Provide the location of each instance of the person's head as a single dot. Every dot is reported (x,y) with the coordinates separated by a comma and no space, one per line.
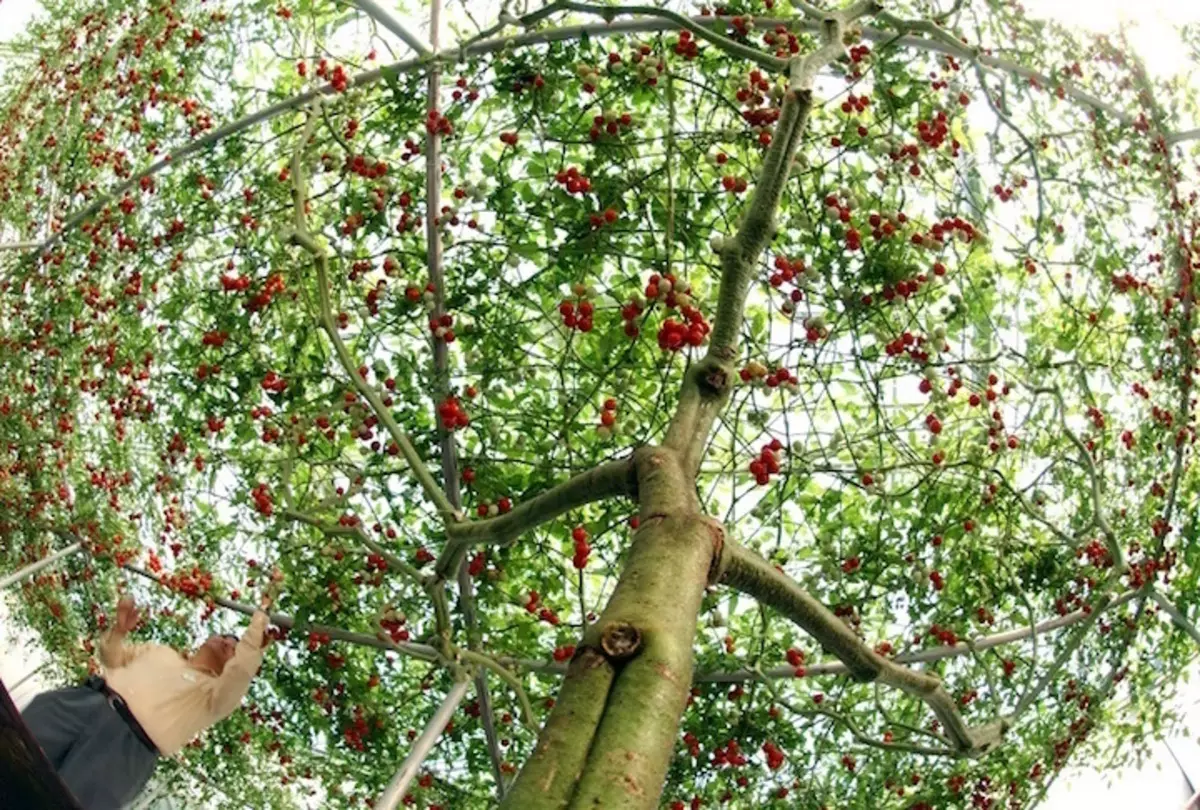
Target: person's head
(215,652)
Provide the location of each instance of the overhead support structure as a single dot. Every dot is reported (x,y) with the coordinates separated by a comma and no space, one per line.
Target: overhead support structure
(478,47)
(389,21)
(393,794)
(33,568)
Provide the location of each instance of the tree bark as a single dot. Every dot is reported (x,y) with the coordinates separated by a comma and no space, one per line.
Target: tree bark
(549,777)
(610,738)
(654,611)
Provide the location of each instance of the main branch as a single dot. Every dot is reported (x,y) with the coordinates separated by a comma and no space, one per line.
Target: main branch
(708,384)
(389,21)
(608,480)
(749,573)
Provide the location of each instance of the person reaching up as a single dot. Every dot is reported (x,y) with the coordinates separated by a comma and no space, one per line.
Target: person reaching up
(104,738)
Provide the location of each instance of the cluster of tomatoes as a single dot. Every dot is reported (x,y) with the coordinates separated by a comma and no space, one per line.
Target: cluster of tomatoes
(579,536)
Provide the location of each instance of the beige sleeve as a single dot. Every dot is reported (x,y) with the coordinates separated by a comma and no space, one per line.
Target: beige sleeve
(115,653)
(234,682)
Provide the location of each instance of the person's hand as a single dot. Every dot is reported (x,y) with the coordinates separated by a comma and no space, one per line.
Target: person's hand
(127,615)
(271,593)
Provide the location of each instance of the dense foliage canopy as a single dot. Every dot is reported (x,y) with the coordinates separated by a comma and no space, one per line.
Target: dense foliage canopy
(906,290)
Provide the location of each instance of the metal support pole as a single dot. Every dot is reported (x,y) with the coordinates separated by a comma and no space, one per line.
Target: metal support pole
(33,568)
(12,690)
(394,792)
(389,21)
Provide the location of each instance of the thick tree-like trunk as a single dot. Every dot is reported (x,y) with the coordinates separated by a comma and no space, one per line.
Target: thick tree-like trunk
(610,737)
(612,733)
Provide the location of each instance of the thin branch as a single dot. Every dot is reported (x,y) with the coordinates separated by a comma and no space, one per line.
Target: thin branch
(1186,360)
(923,656)
(357,532)
(1176,614)
(838,717)
(17,246)
(441,385)
(1004,118)
(508,677)
(704,31)
(669,166)
(942,41)
(437,595)
(1178,245)
(420,651)
(34,567)
(1120,565)
(838,668)
(1031,694)
(321,260)
(945,15)
(490,45)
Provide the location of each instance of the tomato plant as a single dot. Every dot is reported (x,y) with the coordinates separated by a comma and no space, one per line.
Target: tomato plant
(756,405)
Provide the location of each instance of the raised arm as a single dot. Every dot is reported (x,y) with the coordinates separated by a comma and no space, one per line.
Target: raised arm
(113,651)
(231,687)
